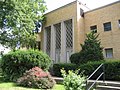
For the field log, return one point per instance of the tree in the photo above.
(91, 50)
(18, 20)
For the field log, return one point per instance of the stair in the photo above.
(58, 79)
(107, 85)
(100, 87)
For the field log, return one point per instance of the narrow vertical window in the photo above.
(69, 38)
(48, 39)
(57, 28)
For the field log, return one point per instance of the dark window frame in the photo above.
(106, 52)
(119, 21)
(107, 26)
(93, 28)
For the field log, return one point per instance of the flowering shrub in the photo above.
(72, 81)
(36, 78)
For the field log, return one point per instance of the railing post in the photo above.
(86, 85)
(104, 73)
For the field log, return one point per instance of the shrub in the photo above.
(67, 66)
(16, 63)
(112, 69)
(74, 58)
(73, 81)
(91, 50)
(36, 78)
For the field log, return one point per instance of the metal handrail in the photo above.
(103, 73)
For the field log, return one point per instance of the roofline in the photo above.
(62, 6)
(103, 6)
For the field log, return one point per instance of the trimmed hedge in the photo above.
(67, 66)
(112, 69)
(14, 64)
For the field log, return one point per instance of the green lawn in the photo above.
(13, 86)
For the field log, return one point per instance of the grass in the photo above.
(12, 86)
(59, 87)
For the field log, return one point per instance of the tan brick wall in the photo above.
(110, 13)
(109, 39)
(80, 28)
(62, 14)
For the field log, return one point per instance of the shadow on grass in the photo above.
(5, 85)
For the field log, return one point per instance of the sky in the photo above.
(91, 4)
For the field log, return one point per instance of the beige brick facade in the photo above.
(81, 25)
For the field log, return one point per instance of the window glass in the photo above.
(107, 26)
(94, 28)
(109, 53)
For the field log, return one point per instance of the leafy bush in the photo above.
(67, 66)
(16, 63)
(91, 50)
(36, 78)
(112, 69)
(74, 58)
(73, 81)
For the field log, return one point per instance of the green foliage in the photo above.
(17, 21)
(74, 58)
(36, 78)
(67, 66)
(112, 69)
(73, 81)
(16, 63)
(91, 50)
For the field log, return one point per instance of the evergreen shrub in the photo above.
(14, 64)
(91, 50)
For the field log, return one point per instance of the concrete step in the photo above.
(100, 87)
(107, 83)
(58, 79)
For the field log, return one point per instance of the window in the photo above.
(119, 23)
(107, 26)
(94, 28)
(109, 53)
(81, 12)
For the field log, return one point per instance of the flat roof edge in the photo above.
(61, 7)
(103, 6)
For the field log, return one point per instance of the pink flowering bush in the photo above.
(36, 78)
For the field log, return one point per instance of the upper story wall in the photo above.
(109, 13)
(61, 14)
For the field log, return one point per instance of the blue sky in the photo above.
(53, 4)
